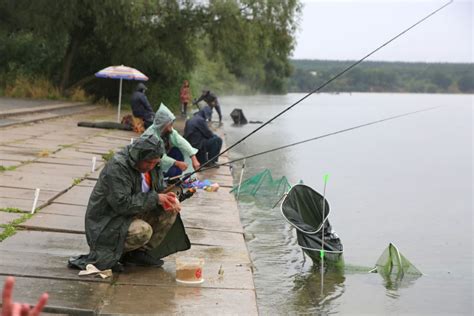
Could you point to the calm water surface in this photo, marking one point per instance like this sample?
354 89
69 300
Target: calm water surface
407 181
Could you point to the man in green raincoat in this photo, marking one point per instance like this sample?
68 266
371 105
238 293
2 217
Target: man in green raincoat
128 219
179 155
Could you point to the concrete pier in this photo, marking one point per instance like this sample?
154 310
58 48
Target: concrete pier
56 157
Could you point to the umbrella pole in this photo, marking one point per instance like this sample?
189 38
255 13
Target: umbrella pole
120 101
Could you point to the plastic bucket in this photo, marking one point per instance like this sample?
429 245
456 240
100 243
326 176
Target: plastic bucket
189 270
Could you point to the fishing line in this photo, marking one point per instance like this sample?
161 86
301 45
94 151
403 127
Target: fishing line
323 136
316 90
332 79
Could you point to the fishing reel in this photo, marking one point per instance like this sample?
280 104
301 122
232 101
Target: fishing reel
181 193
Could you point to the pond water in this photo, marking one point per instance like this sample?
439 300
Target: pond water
406 181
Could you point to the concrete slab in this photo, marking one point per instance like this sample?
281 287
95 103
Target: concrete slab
20 179
29 264
40 142
41 149
15 157
206 237
211 219
132 299
106 141
213 254
71 161
17 153
15 134
87 183
64 209
222 225
71 298
95 175
9 163
72 153
94 150
48 243
54 222
223 206
7 218
26 194
222 170
21 204
77 195
49 169
221 194
235 276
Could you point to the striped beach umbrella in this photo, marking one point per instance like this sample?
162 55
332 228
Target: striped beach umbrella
123 73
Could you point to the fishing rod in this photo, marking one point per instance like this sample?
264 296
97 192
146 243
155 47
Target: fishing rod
316 90
321 136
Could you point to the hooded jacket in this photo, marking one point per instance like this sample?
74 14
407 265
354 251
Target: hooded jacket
117 198
196 130
163 117
140 106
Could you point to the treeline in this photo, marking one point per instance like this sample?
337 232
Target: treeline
372 76
222 45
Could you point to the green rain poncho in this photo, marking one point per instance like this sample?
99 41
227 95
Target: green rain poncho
117 198
162 117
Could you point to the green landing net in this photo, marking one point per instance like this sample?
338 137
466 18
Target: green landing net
392 262
262 185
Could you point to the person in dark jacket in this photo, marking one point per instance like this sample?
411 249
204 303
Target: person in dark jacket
141 108
128 220
198 134
212 101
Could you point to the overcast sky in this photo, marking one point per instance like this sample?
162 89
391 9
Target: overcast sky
348 30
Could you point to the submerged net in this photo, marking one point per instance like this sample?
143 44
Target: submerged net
392 262
262 185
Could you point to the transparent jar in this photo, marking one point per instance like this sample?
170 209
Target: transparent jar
189 270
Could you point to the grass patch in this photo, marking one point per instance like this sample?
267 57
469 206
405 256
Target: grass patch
65 146
109 155
79 95
10 229
77 181
41 88
3 168
11 210
33 88
104 102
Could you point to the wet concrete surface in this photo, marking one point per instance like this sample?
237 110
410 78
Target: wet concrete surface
66 297
6 217
56 156
54 222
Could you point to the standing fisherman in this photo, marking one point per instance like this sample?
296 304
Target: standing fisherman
185 97
211 100
128 219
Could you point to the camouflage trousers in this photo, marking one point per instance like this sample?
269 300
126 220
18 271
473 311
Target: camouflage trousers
148 231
